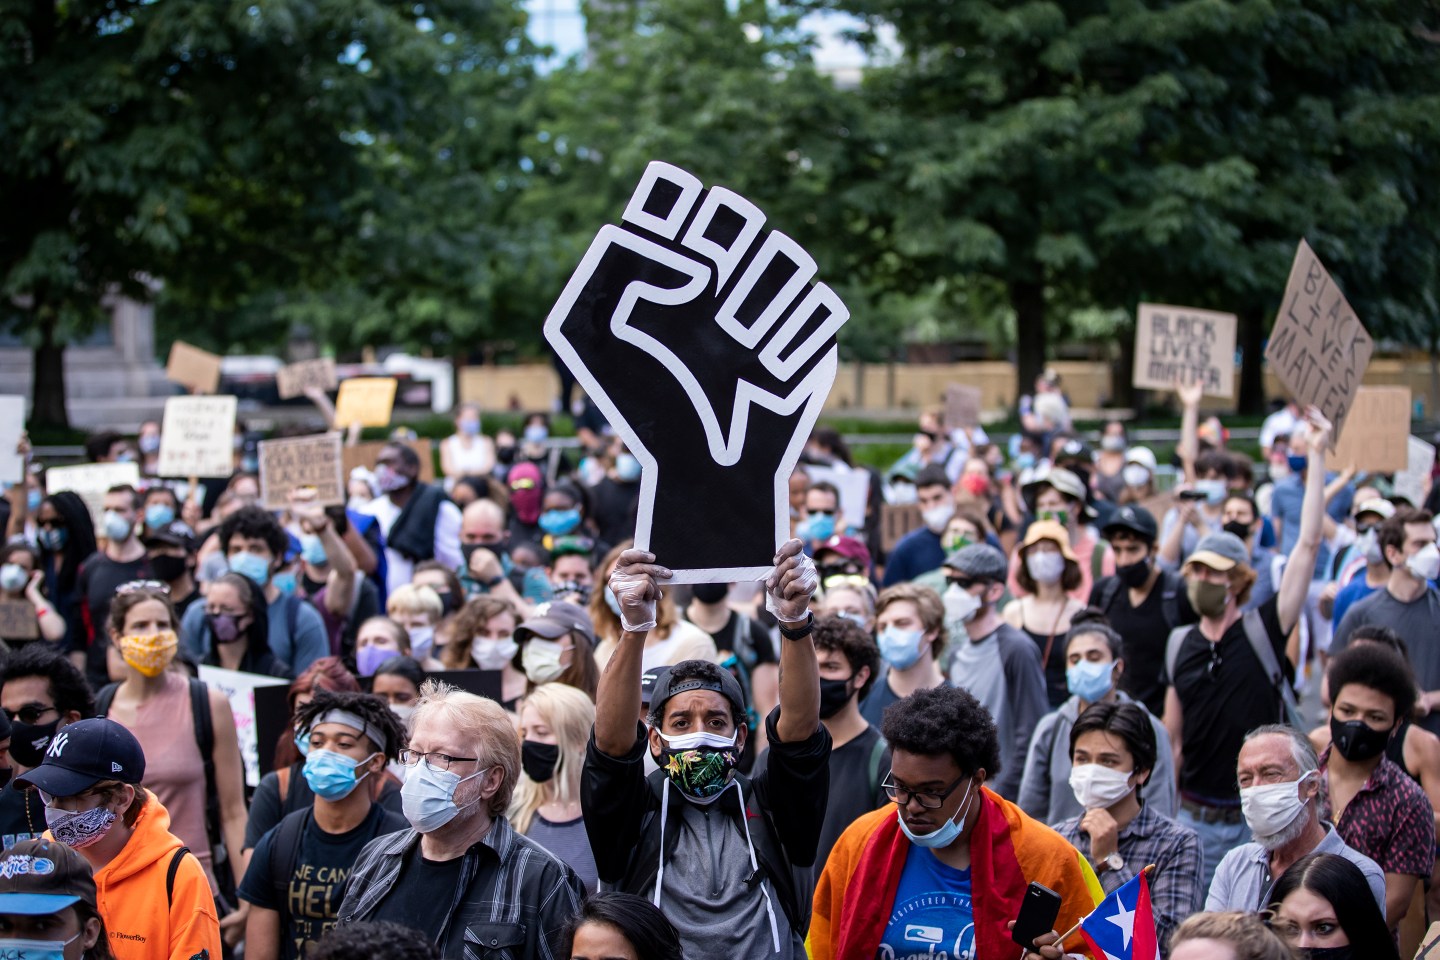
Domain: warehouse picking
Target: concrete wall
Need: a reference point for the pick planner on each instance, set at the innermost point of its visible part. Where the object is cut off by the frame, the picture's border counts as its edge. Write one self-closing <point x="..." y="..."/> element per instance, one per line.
<point x="905" y="386"/>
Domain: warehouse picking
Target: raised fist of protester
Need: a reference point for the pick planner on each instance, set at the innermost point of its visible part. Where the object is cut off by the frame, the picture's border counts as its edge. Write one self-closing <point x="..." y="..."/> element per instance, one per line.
<point x="702" y="339"/>
<point x="793" y="582"/>
<point x="635" y="583"/>
<point x="1190" y="393"/>
<point x="1321" y="429"/>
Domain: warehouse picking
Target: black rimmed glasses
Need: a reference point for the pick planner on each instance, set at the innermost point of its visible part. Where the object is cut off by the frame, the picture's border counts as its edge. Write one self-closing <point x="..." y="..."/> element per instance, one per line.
<point x="930" y="801"/>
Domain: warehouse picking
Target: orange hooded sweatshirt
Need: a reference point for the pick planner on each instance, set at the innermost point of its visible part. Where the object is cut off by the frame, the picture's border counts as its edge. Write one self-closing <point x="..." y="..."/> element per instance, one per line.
<point x="130" y="894"/>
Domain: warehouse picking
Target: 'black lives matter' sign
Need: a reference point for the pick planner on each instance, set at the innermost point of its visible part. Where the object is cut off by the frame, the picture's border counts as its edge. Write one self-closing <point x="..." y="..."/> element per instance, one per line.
<point x="1184" y="345"/>
<point x="1318" y="349"/>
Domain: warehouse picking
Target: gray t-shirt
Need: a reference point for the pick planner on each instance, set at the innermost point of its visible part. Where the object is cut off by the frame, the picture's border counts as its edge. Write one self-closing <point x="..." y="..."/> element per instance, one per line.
<point x="1417" y="623"/>
<point x="570" y="843"/>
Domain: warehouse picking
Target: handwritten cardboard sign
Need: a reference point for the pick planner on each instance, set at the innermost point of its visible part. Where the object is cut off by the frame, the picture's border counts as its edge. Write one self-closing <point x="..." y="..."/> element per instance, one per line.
<point x="301" y="462"/>
<point x="194" y="368"/>
<point x="197" y="437"/>
<point x="12" y="426"/>
<point x="962" y="407"/>
<point x="1379" y="427"/>
<point x="1318" y="349"/>
<point x="294" y="379"/>
<point x="239" y="688"/>
<point x="18" y="620"/>
<point x="365" y="455"/>
<point x="366" y="401"/>
<point x="90" y="481"/>
<point x="1186" y="345"/>
<point x="896" y="520"/>
<point x="1413" y="483"/>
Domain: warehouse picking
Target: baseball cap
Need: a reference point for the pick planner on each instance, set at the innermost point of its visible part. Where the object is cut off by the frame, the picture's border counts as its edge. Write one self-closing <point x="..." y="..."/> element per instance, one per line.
<point x="668" y="686"/>
<point x="40" y="877"/>
<point x="1062" y="480"/>
<point x="1219" y="551"/>
<point x="552" y="621"/>
<point x="648" y="681"/>
<point x="980" y="561"/>
<point x="1384" y="509"/>
<point x="174" y="534"/>
<point x="848" y="547"/>
<point x="1136" y="520"/>
<point x="85" y="753"/>
<point x="1143" y="456"/>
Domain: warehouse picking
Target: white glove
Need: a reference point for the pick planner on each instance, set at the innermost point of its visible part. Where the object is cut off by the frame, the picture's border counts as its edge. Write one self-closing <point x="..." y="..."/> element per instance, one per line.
<point x="634" y="583"/>
<point x="793" y="582"/>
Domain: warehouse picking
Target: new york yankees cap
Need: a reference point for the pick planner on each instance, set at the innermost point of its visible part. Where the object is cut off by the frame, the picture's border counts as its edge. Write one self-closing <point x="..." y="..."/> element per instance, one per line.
<point x="40" y="877"/>
<point x="83" y="754"/>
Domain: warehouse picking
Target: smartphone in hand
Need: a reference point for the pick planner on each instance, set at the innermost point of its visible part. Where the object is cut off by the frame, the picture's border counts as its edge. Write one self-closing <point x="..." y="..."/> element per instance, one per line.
<point x="1037" y="915"/>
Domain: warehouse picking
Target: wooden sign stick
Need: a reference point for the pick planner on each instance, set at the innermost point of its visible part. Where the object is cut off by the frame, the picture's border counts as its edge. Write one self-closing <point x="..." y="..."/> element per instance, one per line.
<point x="1149" y="869"/>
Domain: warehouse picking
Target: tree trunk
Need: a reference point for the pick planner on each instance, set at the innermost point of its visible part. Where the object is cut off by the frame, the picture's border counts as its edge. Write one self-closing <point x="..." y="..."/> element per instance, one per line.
<point x="48" y="375"/>
<point x="1432" y="407"/>
<point x="1252" y="369"/>
<point x="1028" y="301"/>
<point x="1122" y="374"/>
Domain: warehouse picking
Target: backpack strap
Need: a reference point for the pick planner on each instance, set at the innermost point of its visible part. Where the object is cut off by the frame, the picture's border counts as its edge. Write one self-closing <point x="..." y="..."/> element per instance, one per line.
<point x="1097" y="560"/>
<point x="205" y="740"/>
<point x="285" y="842"/>
<point x="1260" y="642"/>
<point x="1109" y="590"/>
<point x="877" y="753"/>
<point x="1172" y="651"/>
<point x="170" y="874"/>
<point x="282" y="780"/>
<point x="1170" y="586"/>
<point x="105" y="698"/>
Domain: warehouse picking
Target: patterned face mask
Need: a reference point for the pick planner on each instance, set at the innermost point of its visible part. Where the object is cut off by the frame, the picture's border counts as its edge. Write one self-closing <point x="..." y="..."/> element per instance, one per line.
<point x="150" y="654"/>
<point x="699" y="764"/>
<point x="79" y="829"/>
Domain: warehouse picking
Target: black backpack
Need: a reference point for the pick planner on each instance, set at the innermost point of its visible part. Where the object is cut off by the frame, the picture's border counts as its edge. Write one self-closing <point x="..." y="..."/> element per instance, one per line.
<point x="1169" y="585"/>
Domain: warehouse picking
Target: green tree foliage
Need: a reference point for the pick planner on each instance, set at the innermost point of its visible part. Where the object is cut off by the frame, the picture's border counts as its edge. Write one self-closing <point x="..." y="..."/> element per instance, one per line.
<point x="1097" y="153"/>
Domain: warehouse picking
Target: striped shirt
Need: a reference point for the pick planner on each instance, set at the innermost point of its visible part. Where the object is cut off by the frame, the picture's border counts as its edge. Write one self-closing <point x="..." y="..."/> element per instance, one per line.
<point x="512" y="901"/>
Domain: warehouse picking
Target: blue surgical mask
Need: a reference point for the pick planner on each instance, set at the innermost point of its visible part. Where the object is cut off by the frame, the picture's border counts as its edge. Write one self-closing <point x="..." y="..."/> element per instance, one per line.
<point x="252" y="566"/>
<point x="1297" y="464"/>
<point x="1024" y="461"/>
<point x="115" y="527"/>
<point x="818" y="526"/>
<point x="312" y="550"/>
<point x="943" y="835"/>
<point x="284" y="581"/>
<point x="900" y="648"/>
<point x="36" y="949"/>
<point x="1090" y="681"/>
<point x="33" y="499"/>
<point x="332" y="775"/>
<point x="159" y="515"/>
<point x="557" y="523"/>
<point x="627" y="468"/>
<point x="428" y="797"/>
<point x="536" y="433"/>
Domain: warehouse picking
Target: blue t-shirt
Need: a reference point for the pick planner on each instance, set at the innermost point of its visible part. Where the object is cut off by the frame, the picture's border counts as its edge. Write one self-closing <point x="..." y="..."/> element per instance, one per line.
<point x="933" y="917"/>
<point x="919" y="551"/>
<point x="1352" y="593"/>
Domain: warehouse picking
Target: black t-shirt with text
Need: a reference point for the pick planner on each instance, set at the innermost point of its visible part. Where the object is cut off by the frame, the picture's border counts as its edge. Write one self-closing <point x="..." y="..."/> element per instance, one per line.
<point x="311" y="902"/>
<point x="1221" y="703"/>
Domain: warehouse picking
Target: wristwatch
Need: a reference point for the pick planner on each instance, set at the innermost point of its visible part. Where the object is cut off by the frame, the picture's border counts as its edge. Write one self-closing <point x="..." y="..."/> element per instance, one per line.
<point x="1114" y="861"/>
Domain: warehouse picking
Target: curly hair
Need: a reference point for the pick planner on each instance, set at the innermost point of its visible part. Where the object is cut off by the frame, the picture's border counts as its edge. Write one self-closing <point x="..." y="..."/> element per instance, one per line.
<point x="944" y="720"/>
<point x="367" y="940"/>
<point x="1378" y="667"/>
<point x="368" y="707"/>
<point x="254" y="523"/>
<point x="850" y="640"/>
<point x="477" y="612"/>
<point x="327" y="673"/>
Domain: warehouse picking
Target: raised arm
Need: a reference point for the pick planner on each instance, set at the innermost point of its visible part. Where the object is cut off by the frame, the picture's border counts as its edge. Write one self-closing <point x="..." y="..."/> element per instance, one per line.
<point x="788" y="591"/>
<point x="1300" y="568"/>
<point x="635" y="582"/>
<point x="1189" y="447"/>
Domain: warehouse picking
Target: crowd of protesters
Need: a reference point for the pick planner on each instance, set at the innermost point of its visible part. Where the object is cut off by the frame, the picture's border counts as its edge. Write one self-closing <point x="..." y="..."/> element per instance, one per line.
<point x="1068" y="670"/>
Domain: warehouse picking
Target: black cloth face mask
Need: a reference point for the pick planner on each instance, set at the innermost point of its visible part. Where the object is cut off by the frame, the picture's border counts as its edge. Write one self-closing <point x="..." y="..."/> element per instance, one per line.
<point x="1356" y="740"/>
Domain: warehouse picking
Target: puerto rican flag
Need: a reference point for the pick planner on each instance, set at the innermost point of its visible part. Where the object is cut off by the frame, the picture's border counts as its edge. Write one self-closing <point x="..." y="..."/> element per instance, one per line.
<point x="1122" y="927"/>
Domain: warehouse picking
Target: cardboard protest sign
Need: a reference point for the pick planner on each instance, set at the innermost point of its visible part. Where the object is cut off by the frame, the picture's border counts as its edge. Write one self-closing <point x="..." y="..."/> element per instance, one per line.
<point x="854" y="487"/>
<point x="1318" y="349"/>
<point x="1186" y="345"/>
<point x="12" y="426"/>
<point x="292" y="380"/>
<point x="962" y="406"/>
<point x="1379" y="427"/>
<point x="367" y="401"/>
<point x="301" y="462"/>
<point x="18" y="620"/>
<point x="896" y="520"/>
<point x="365" y="455"/>
<point x="706" y="344"/>
<point x="197" y="437"/>
<point x="239" y="688"/>
<point x="194" y="368"/>
<point x="90" y="481"/>
<point x="1413" y="483"/>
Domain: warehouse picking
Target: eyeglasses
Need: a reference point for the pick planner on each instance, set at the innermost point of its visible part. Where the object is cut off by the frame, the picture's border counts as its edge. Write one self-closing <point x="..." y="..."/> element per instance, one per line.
<point x="930" y="801"/>
<point x="135" y="586"/>
<point x="964" y="583"/>
<point x="30" y="713"/>
<point x="437" y="761"/>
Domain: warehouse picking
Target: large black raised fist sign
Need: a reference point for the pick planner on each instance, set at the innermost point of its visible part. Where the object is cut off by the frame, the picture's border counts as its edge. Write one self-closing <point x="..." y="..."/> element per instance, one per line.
<point x="703" y="339"/>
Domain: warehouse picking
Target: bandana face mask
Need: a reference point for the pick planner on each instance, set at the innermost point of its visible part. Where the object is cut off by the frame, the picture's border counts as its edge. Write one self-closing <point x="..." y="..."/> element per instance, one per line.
<point x="150" y="654"/>
<point x="699" y="764"/>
